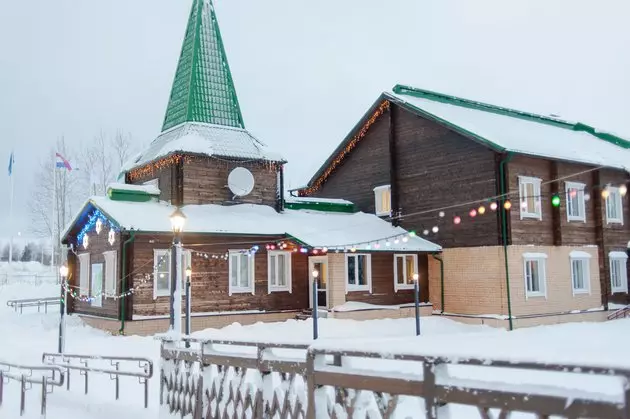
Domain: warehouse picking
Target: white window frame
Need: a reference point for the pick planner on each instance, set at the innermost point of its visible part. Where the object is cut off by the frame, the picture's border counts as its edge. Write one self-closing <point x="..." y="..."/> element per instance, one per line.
<point x="614" y="194"/>
<point x="541" y="258"/>
<point x="96" y="299"/>
<point x="157" y="255"/>
<point x="287" y="269"/>
<point x="111" y="270"/>
<point x="524" y="180"/>
<point x="186" y="261"/>
<point x="84" y="274"/>
<point x="355" y="287"/>
<point x="406" y="285"/>
<point x="579" y="187"/>
<point x="584" y="258"/>
<point x="251" y="288"/>
<point x="378" y="198"/>
<point x="622" y="258"/>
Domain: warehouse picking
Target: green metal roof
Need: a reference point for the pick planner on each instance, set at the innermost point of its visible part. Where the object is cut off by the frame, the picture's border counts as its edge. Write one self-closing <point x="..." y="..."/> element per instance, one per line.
<point x="203" y="89"/>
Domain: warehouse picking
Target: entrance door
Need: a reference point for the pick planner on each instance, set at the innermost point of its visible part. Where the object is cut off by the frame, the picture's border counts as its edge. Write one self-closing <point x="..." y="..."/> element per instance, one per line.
<point x="318" y="264"/>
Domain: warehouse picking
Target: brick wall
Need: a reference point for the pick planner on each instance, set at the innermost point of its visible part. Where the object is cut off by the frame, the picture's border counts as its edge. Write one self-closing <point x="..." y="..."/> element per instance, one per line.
<point x="474" y="281"/>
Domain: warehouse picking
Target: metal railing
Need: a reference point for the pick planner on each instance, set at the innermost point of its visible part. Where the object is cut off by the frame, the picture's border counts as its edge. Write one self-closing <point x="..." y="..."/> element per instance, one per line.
<point x="141" y="368"/>
<point x="208" y="382"/>
<point x="622" y="313"/>
<point x="34" y="302"/>
<point x="48" y="376"/>
<point x="29" y="278"/>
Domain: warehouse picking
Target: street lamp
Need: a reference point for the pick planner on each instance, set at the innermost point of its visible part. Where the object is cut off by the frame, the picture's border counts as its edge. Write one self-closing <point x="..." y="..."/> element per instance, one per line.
<point x="188" y="303"/>
<point x="315" y="274"/>
<point x="416" y="292"/>
<point x="178" y="220"/>
<point x="63" y="272"/>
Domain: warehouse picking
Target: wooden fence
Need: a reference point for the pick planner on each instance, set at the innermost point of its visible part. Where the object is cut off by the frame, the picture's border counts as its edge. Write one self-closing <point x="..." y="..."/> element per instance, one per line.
<point x="235" y="379"/>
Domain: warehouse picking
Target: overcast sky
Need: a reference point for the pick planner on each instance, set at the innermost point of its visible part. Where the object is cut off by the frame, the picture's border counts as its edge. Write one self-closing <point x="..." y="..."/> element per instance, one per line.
<point x="305" y="71"/>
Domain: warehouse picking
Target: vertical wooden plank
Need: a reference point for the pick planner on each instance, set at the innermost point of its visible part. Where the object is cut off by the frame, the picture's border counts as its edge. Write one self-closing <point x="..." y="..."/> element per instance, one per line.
<point x="555" y="211"/>
<point x="600" y="237"/>
<point x="393" y="167"/>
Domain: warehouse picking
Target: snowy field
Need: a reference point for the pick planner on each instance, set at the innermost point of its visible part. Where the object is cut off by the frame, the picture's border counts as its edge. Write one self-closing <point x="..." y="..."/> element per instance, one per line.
<point x="25" y="337"/>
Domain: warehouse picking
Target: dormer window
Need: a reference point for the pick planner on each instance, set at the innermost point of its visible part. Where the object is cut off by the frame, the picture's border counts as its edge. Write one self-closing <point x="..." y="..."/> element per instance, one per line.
<point x="383" y="200"/>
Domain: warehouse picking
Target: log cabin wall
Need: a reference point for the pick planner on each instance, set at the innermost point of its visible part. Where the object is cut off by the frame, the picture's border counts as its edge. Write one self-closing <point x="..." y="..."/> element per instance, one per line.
<point x="166" y="181"/>
<point x="383" y="292"/>
<point x="364" y="168"/>
<point x="439" y="168"/>
<point x="205" y="182"/>
<point x="614" y="237"/>
<point x="210" y="277"/>
<point x="98" y="244"/>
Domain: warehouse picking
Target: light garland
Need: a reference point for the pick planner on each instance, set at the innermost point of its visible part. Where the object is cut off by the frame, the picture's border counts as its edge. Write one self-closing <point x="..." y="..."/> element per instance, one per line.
<point x="95" y="219"/>
<point x="383" y="107"/>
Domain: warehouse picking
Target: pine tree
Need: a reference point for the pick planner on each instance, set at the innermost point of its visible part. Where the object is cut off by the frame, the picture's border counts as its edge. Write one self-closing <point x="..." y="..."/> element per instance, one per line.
<point x="29" y="252"/>
<point x="5" y="253"/>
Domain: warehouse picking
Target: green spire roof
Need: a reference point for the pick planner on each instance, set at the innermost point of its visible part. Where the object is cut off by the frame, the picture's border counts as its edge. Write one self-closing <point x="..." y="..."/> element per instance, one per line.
<point x="203" y="90"/>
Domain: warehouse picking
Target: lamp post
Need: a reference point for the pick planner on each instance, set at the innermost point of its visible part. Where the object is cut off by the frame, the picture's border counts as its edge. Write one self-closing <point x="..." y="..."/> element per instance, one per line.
<point x="63" y="272"/>
<point x="188" y="301"/>
<point x="178" y="220"/>
<point x="315" y="274"/>
<point x="416" y="292"/>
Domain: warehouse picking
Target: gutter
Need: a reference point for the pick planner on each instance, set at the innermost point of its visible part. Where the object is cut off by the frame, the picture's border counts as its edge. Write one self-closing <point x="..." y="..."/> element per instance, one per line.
<point x="441" y="260"/>
<point x="123" y="285"/>
<point x="504" y="239"/>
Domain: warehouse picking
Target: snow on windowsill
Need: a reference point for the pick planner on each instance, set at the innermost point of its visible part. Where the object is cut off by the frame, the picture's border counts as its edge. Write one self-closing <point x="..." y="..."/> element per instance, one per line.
<point x="358" y="306"/>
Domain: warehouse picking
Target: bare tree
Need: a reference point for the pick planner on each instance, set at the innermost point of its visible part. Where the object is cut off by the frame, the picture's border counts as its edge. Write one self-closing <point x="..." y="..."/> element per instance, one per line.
<point x="122" y="148"/>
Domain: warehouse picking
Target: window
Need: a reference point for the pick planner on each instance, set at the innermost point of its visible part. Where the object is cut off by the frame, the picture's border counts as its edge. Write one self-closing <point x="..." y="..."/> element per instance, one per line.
<point x="534" y="274"/>
<point x="580" y="274"/>
<point x="110" y="272"/>
<point x="614" y="207"/>
<point x="576" y="209"/>
<point x="241" y="272"/>
<point x="618" y="271"/>
<point x="84" y="274"/>
<point x="162" y="271"/>
<point x="358" y="273"/>
<point x="529" y="190"/>
<point x="383" y="200"/>
<point x="96" y="291"/>
<point x="279" y="271"/>
<point x="404" y="268"/>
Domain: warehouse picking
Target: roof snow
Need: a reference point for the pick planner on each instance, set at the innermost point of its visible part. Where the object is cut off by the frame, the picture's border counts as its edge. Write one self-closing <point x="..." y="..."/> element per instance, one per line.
<point x="205" y="139"/>
<point x="298" y="199"/>
<point x="314" y="228"/>
<point x="147" y="189"/>
<point x="516" y="131"/>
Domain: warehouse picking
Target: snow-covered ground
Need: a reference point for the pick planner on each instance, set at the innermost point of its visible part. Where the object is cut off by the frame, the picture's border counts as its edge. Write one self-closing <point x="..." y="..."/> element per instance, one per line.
<point x="25" y="337"/>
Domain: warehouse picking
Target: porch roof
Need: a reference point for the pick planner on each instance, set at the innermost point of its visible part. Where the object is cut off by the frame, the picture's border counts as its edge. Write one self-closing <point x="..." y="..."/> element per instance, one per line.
<point x="312" y="228"/>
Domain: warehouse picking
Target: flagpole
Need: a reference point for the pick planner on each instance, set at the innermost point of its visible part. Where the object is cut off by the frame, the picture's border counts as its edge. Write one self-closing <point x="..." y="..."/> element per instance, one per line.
<point x="11" y="212"/>
<point x="52" y="219"/>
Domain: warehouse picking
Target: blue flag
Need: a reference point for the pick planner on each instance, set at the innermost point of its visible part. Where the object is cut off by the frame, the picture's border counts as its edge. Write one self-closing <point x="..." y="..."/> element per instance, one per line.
<point x="11" y="161"/>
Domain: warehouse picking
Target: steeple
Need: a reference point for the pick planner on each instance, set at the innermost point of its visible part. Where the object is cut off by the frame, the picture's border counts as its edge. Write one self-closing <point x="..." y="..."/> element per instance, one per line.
<point x="203" y="90"/>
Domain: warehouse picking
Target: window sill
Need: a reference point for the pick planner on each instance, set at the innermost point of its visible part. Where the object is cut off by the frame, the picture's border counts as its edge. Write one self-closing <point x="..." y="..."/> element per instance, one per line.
<point x="614" y="221"/>
<point x="619" y="291"/>
<point x="531" y="216"/>
<point x="279" y="289"/>
<point x="535" y="295"/>
<point x="161" y="294"/>
<point x="581" y="292"/>
<point x="578" y="219"/>
<point x="241" y="291"/>
<point x="357" y="289"/>
<point x="403" y="288"/>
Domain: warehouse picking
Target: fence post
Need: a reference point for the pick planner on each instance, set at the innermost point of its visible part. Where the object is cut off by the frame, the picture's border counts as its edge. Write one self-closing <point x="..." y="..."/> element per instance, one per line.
<point x="429" y="389"/>
<point x="146" y="393"/>
<point x="22" y="395"/>
<point x="117" y="381"/>
<point x="1" y="385"/>
<point x="310" y="381"/>
<point x="44" y="393"/>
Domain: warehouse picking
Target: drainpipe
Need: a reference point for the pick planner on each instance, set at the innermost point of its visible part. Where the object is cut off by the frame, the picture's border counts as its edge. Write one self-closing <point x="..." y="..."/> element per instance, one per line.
<point x="123" y="285"/>
<point x="504" y="238"/>
<point x="439" y="259"/>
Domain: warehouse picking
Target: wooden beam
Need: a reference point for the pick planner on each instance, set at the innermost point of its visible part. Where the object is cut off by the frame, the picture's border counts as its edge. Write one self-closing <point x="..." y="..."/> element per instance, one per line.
<point x="599" y="237"/>
<point x="556" y="219"/>
<point x="393" y="166"/>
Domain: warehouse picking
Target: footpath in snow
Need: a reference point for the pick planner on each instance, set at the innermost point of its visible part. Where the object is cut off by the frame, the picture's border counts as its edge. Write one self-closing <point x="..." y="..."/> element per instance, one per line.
<point x="25" y="337"/>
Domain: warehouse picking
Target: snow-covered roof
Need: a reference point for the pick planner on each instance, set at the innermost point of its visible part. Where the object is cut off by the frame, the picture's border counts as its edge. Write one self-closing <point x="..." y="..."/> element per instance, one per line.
<point x="297" y="199"/>
<point x="205" y="139"/>
<point x="313" y="228"/>
<point x="516" y="131"/>
<point x="147" y="189"/>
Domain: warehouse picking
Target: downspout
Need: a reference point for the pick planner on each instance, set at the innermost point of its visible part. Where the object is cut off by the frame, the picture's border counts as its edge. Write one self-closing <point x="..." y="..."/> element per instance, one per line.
<point x="504" y="239"/>
<point x="439" y="259"/>
<point x="123" y="285"/>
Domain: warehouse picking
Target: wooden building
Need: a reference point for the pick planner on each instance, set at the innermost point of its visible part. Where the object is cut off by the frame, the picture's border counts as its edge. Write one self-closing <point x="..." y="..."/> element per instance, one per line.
<point x="531" y="210"/>
<point x="251" y="251"/>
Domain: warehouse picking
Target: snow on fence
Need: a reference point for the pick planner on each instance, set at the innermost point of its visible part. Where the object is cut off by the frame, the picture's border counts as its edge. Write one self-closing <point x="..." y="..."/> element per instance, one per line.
<point x="47" y="376"/>
<point x="140" y="368"/>
<point x="25" y="277"/>
<point x="219" y="379"/>
<point x="18" y="305"/>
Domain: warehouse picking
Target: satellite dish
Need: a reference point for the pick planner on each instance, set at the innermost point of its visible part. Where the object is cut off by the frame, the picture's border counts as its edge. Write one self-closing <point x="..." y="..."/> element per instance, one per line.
<point x="241" y="181"/>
